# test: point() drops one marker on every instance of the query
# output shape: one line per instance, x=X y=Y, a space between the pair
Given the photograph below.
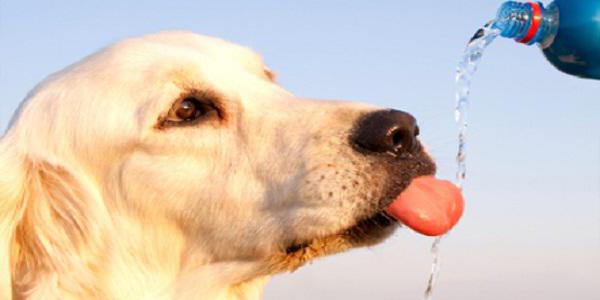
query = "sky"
x=531 y=228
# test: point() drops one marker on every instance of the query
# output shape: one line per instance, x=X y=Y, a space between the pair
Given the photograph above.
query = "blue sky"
x=532 y=224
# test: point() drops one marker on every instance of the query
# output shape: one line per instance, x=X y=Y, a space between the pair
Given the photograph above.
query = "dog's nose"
x=387 y=131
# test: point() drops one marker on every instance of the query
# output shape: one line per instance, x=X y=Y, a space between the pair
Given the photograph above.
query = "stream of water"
x=464 y=77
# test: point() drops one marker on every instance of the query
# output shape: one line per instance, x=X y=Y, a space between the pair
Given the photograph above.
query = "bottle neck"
x=528 y=23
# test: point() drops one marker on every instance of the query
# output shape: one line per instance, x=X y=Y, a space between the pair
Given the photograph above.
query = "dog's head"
x=194 y=132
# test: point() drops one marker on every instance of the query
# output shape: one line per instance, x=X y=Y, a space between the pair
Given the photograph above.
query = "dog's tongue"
x=429 y=206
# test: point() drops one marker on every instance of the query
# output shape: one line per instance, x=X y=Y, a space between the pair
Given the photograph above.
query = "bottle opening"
x=520 y=21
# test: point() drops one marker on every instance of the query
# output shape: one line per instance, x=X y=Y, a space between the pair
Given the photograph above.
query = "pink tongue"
x=429 y=206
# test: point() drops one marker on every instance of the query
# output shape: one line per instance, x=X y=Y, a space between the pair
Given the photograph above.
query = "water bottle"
x=567 y=31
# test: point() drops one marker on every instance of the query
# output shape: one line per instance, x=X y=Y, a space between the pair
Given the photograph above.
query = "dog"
x=173 y=166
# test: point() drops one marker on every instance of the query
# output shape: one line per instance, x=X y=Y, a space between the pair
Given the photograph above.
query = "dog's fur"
x=103 y=197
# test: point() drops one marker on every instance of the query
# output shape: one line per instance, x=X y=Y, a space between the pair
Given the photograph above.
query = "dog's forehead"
x=194 y=46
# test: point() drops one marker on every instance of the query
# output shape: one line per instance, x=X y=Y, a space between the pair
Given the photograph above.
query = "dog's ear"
x=12 y=183
x=49 y=224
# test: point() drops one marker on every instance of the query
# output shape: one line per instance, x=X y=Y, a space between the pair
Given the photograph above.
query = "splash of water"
x=464 y=77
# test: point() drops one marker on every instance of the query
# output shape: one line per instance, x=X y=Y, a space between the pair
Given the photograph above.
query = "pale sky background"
x=532 y=224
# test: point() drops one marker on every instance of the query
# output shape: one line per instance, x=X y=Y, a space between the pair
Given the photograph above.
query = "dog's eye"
x=190 y=110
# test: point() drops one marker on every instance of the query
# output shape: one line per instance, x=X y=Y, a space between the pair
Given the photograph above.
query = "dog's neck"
x=154 y=261
x=157 y=261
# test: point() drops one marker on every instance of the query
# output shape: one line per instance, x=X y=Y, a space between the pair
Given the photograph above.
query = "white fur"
x=97 y=202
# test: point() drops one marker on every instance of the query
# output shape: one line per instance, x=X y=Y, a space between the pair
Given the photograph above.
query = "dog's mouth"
x=427 y=205
x=413 y=198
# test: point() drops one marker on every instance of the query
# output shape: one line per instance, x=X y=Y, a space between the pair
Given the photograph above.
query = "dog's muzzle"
x=420 y=201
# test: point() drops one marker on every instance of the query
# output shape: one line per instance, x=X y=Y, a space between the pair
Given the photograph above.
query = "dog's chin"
x=366 y=232
x=372 y=230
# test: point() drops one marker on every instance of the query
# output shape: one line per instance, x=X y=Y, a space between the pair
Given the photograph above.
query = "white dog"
x=172 y=166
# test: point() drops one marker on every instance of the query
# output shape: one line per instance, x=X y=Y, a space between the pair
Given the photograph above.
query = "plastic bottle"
x=567 y=31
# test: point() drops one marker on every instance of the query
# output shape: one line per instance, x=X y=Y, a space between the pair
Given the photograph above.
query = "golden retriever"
x=172 y=166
